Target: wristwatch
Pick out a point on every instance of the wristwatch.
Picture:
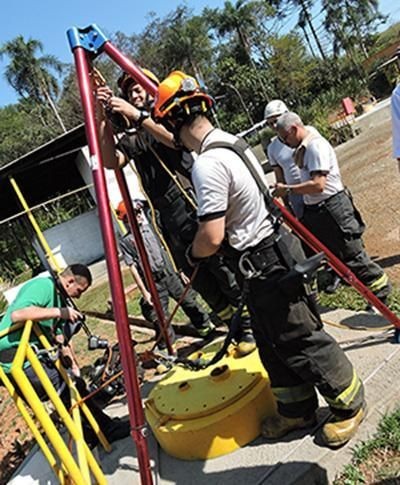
(143, 116)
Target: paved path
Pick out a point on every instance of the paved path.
(299, 459)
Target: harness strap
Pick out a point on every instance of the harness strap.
(240, 147)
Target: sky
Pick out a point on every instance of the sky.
(49, 20)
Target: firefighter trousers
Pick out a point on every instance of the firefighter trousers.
(337, 224)
(297, 353)
(169, 285)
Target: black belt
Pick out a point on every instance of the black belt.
(320, 205)
(230, 252)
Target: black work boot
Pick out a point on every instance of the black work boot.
(117, 429)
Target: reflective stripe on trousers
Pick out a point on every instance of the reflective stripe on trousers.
(345, 399)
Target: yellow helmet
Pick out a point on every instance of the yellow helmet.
(125, 80)
(179, 95)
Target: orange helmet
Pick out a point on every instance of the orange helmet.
(125, 80)
(180, 95)
(121, 211)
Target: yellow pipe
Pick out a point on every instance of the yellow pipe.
(62, 411)
(51, 431)
(20, 355)
(32, 426)
(80, 443)
(36, 405)
(41, 238)
(89, 416)
(95, 426)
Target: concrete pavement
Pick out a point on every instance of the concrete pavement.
(298, 459)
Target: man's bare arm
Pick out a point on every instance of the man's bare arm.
(36, 314)
(112, 158)
(208, 238)
(140, 283)
(161, 134)
(314, 186)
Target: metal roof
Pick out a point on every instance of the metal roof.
(59, 147)
(43, 172)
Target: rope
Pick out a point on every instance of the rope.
(152, 210)
(178, 304)
(153, 217)
(93, 393)
(172, 175)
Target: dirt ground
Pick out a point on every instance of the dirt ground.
(369, 171)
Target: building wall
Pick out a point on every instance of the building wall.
(79, 240)
(82, 161)
(76, 241)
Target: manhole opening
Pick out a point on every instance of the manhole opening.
(219, 370)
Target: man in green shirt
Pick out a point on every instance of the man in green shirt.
(41, 301)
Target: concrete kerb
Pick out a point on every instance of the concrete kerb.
(379, 113)
(298, 459)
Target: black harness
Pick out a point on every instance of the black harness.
(252, 262)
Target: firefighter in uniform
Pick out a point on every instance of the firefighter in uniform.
(280, 157)
(329, 211)
(166, 280)
(297, 353)
(152, 148)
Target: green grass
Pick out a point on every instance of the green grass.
(348, 298)
(377, 459)
(95, 299)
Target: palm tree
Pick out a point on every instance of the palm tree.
(304, 19)
(187, 42)
(351, 23)
(241, 19)
(30, 75)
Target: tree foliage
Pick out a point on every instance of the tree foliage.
(32, 76)
(351, 24)
(236, 50)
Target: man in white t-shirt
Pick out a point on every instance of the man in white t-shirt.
(280, 157)
(395, 106)
(297, 353)
(329, 211)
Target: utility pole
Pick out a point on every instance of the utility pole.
(308, 20)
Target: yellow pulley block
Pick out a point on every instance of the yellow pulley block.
(208, 413)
